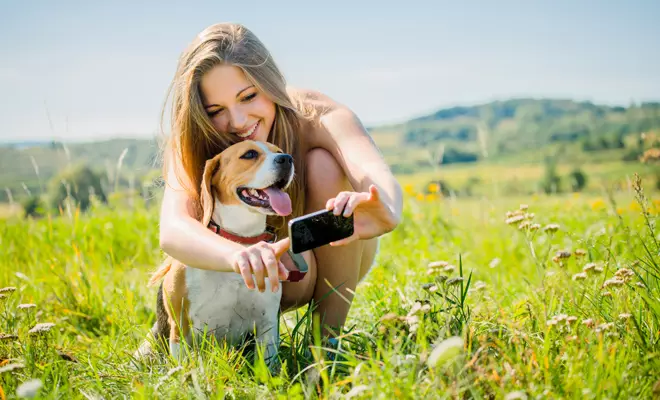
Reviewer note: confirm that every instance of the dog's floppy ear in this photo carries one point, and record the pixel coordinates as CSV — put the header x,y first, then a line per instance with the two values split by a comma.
x,y
206,197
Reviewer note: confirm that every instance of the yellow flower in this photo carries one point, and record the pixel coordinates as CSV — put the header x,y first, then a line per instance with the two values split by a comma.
x,y
431,197
598,204
634,206
434,188
420,196
409,189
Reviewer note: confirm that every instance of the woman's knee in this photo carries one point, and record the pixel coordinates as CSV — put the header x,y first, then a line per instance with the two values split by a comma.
x,y
325,176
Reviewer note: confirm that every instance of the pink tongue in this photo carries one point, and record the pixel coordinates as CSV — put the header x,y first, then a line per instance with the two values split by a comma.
x,y
279,200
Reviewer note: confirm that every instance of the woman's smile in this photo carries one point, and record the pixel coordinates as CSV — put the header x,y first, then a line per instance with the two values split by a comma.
x,y
249,133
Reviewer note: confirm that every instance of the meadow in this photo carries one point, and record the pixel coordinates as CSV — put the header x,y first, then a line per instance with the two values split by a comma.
x,y
528,297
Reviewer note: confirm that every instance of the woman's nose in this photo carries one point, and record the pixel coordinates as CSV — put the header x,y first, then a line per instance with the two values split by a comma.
x,y
238,120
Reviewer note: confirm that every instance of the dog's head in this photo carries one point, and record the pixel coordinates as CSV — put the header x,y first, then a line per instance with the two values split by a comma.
x,y
249,173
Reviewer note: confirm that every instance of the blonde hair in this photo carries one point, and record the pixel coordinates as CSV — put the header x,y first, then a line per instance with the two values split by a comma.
x,y
193,139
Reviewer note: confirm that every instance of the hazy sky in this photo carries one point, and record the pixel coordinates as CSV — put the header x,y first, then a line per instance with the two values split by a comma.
x,y
102,69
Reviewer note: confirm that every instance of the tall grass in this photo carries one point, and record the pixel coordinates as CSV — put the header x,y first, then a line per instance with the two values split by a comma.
x,y
548,297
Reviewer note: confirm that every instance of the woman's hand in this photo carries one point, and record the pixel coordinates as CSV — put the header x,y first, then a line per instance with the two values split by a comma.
x,y
372,217
262,260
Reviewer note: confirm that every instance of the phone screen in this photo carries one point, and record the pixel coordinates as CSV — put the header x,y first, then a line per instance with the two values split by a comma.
x,y
318,229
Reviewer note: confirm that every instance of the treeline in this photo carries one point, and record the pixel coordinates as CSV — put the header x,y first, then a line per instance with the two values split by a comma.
x,y
509,127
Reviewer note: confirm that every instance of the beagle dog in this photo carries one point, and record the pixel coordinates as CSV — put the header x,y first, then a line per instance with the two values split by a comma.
x,y
240,187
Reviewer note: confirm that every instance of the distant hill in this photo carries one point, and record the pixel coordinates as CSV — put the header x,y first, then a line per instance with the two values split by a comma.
x,y
18,162
505,128
494,131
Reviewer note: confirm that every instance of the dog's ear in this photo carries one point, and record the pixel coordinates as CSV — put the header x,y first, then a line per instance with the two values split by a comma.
x,y
206,197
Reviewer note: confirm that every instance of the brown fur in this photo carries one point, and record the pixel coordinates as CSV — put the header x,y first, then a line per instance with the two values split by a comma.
x,y
223,174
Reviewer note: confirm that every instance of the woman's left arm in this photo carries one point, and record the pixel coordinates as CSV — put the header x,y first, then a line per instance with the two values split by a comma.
x,y
349,142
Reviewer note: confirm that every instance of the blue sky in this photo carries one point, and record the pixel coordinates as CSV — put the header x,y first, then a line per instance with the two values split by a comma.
x,y
101,69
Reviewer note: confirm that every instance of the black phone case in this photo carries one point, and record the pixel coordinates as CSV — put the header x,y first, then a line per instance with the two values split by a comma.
x,y
318,229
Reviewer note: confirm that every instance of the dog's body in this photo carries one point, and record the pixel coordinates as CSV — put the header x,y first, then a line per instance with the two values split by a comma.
x,y
241,186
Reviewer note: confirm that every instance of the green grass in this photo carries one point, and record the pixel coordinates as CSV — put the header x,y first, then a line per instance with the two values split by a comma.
x,y
508,178
502,295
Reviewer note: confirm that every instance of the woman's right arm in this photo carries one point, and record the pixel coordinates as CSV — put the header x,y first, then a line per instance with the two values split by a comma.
x,y
184,238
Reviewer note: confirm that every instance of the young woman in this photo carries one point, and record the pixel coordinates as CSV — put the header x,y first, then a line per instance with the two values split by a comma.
x,y
228,88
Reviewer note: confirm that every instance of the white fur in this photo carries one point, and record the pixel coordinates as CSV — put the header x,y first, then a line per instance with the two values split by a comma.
x,y
239,219
220,302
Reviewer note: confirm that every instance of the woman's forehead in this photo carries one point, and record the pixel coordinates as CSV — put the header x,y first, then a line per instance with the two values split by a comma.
x,y
223,83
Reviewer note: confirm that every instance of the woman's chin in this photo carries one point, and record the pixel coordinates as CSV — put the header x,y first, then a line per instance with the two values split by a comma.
x,y
261,135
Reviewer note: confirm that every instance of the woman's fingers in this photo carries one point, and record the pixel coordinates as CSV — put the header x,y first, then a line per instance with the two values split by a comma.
x,y
244,268
272,267
373,191
330,204
257,268
281,247
262,261
340,202
284,273
353,202
346,202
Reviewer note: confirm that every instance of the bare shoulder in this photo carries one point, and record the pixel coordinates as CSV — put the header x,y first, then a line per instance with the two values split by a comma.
x,y
319,101
331,117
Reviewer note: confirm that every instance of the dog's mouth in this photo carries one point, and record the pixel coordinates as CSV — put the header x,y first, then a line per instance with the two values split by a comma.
x,y
272,198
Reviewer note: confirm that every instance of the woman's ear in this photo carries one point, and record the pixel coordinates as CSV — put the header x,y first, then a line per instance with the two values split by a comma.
x,y
206,197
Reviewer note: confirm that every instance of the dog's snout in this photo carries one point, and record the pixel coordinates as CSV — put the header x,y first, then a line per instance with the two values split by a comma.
x,y
283,159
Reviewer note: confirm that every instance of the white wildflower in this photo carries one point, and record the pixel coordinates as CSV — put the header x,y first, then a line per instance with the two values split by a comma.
x,y
30,388
445,350
580,276
41,328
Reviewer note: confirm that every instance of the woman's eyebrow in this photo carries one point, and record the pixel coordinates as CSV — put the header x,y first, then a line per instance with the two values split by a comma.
x,y
237,94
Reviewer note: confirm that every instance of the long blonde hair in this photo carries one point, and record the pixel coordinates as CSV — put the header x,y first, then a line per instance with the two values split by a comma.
x,y
193,139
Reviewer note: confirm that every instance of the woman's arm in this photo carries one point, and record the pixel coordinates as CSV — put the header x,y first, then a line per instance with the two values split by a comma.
x,y
184,238
344,136
350,143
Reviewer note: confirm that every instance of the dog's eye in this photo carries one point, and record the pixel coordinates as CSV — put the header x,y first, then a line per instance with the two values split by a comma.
x,y
250,154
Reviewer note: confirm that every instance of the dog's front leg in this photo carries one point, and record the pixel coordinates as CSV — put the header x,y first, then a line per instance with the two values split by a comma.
x,y
268,340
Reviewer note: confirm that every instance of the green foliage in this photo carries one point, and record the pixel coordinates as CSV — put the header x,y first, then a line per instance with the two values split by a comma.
x,y
459,303
514,127
578,179
551,181
17,168
454,155
33,207
79,184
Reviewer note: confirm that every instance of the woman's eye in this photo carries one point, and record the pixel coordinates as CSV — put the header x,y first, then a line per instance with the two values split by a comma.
x,y
249,97
250,154
214,113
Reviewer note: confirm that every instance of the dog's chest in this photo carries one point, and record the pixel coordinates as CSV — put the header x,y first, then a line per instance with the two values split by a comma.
x,y
222,304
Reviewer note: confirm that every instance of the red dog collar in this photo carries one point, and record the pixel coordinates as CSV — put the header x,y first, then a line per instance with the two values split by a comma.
x,y
269,237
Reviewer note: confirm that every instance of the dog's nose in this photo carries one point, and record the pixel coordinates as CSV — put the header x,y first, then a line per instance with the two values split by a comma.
x,y
283,159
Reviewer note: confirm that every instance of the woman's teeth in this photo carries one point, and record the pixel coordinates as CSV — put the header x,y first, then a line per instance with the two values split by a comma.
x,y
250,132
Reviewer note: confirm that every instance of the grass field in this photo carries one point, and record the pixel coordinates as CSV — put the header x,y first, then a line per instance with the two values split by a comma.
x,y
535,311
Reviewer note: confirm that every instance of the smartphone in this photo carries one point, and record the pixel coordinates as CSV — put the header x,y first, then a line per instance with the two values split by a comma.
x,y
318,229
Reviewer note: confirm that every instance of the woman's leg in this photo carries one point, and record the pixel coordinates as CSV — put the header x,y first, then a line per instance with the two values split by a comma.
x,y
330,268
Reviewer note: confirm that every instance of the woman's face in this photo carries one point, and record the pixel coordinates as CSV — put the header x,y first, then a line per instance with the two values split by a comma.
x,y
234,105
